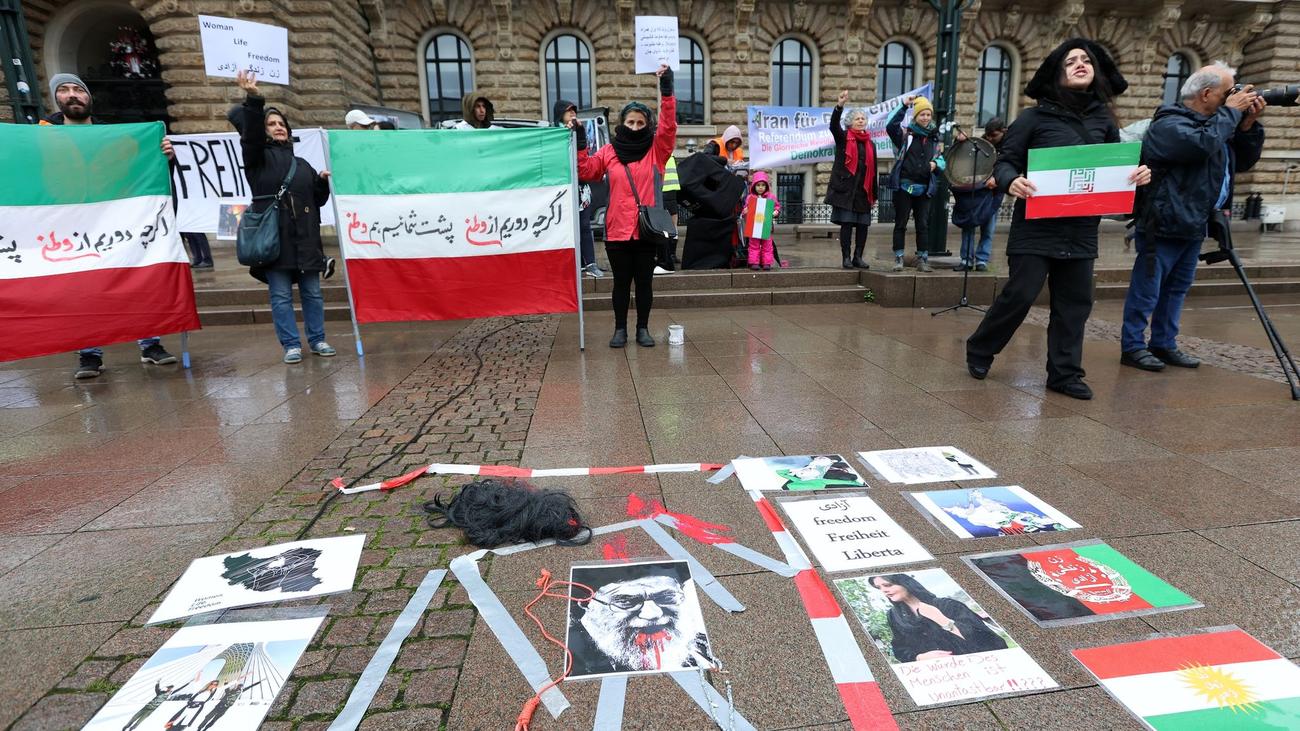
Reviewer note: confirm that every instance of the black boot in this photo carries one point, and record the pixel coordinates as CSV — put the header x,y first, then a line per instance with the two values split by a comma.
x,y
844,252
847,263
620,338
858,262
643,337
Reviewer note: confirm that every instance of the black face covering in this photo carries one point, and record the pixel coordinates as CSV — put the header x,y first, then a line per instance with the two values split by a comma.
x,y
632,145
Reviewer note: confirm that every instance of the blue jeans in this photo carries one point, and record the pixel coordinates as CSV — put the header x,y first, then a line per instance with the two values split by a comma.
x,y
313,306
99,352
1156,293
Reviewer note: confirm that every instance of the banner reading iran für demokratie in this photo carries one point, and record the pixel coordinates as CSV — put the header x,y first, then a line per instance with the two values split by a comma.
x,y
89,251
438,225
780,136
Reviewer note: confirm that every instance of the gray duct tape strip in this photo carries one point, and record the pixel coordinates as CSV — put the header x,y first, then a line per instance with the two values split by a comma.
x,y
706,581
364,691
711,701
507,631
744,553
723,474
609,708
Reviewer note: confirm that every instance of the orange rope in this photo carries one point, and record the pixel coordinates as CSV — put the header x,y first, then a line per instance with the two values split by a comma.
x,y
545,584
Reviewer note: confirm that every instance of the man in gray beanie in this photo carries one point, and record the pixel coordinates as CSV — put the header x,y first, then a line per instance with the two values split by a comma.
x,y
75,103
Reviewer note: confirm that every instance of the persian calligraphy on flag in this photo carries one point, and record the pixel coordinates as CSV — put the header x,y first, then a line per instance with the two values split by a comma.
x,y
759,214
1218,679
1082,180
89,251
438,226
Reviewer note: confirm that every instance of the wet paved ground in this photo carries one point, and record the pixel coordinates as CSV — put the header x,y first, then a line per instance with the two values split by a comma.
x,y
108,489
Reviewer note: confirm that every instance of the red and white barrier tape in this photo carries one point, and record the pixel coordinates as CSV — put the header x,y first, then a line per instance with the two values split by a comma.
x,y
853,679
495,470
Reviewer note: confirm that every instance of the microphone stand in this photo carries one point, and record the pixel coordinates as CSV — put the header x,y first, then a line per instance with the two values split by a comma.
x,y
975,152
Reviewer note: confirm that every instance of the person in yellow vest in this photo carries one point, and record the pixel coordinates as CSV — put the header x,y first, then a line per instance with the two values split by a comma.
x,y
671,184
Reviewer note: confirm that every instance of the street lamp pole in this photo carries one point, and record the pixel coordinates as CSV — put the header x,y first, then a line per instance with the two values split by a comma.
x,y
945,107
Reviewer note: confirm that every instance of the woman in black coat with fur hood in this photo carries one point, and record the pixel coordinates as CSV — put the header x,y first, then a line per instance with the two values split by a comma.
x,y
1074,87
267,143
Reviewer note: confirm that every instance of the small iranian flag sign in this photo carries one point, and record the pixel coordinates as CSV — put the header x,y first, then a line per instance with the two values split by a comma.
x,y
759,214
1082,180
1219,679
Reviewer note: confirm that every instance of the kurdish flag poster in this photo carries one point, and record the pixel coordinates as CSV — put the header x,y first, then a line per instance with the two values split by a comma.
x,y
759,213
439,225
1072,583
89,251
1082,180
1220,678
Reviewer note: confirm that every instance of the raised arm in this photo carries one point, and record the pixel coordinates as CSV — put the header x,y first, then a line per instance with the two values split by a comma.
x,y
252,138
894,127
666,132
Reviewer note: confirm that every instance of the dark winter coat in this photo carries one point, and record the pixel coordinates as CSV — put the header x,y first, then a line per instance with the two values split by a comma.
x,y
911,147
916,635
975,207
852,191
265,165
1185,151
1051,125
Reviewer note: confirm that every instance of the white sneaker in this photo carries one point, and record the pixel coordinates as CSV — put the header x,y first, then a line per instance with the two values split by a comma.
x,y
593,271
661,270
293,355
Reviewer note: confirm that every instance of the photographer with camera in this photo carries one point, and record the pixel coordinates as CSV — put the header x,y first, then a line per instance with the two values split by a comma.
x,y
1194,148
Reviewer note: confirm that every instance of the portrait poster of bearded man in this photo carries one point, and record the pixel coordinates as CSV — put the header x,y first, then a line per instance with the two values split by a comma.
x,y
640,618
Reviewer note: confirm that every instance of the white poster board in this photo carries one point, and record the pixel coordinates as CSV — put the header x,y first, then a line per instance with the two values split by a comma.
x,y
852,533
926,464
209,173
260,575
656,43
231,46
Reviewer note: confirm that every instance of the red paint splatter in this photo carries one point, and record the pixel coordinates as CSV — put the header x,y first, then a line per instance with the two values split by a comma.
x,y
615,549
654,641
700,530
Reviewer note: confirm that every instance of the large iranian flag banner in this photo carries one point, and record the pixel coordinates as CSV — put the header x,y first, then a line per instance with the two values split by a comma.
x,y
1082,180
89,251
1218,679
446,225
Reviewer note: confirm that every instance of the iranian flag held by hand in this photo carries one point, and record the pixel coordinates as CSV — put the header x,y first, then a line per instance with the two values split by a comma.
x,y
1082,180
446,225
89,251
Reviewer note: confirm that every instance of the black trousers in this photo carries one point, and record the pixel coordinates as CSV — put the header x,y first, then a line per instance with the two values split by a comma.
x,y
632,261
918,207
1070,282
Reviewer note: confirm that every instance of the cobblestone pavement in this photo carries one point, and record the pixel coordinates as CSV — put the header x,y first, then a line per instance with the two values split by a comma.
x,y
1146,465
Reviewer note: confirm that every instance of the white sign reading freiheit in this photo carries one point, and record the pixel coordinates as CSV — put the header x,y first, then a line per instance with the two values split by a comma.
x,y
231,46
656,43
851,533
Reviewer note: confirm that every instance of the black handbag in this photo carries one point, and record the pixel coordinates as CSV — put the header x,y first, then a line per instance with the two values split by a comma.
x,y
257,242
654,224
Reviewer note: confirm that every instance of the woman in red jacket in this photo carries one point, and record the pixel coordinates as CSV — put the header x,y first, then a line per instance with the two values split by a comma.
x,y
641,148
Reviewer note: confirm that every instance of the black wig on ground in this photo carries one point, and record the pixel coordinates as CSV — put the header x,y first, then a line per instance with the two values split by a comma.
x,y
503,512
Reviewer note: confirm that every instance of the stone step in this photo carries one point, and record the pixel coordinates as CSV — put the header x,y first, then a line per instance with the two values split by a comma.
x,y
738,297
1211,272
257,314
737,279
1212,288
256,295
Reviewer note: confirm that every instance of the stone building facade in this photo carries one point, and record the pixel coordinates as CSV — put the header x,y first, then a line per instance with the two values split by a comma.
x,y
347,52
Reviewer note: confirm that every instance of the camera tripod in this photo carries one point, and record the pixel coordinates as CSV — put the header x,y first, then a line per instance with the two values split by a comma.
x,y
975,152
1220,231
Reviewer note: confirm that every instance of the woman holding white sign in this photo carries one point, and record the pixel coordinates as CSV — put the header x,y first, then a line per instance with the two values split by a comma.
x,y
1075,87
633,161
267,142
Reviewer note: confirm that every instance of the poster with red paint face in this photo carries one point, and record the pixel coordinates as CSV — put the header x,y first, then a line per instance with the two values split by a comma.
x,y
941,644
636,618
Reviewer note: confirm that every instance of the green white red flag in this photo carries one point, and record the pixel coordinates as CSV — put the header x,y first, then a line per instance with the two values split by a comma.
x,y
1082,180
759,214
1214,680
89,251
441,225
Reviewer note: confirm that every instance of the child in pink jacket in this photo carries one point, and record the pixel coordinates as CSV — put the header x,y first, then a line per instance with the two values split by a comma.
x,y
761,250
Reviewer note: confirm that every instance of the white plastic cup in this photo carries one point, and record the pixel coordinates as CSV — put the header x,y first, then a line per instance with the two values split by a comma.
x,y
676,334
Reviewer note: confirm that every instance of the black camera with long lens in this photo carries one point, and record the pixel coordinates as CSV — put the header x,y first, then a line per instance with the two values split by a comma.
x,y
1282,96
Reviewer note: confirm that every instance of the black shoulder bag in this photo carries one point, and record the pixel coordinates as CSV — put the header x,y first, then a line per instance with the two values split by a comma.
x,y
654,224
257,243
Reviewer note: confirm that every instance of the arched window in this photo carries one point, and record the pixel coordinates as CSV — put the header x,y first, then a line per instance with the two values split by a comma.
x,y
689,82
566,68
995,84
1177,69
448,74
896,73
792,74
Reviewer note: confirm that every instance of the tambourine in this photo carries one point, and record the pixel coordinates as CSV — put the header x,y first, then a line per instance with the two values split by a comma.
x,y
969,163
